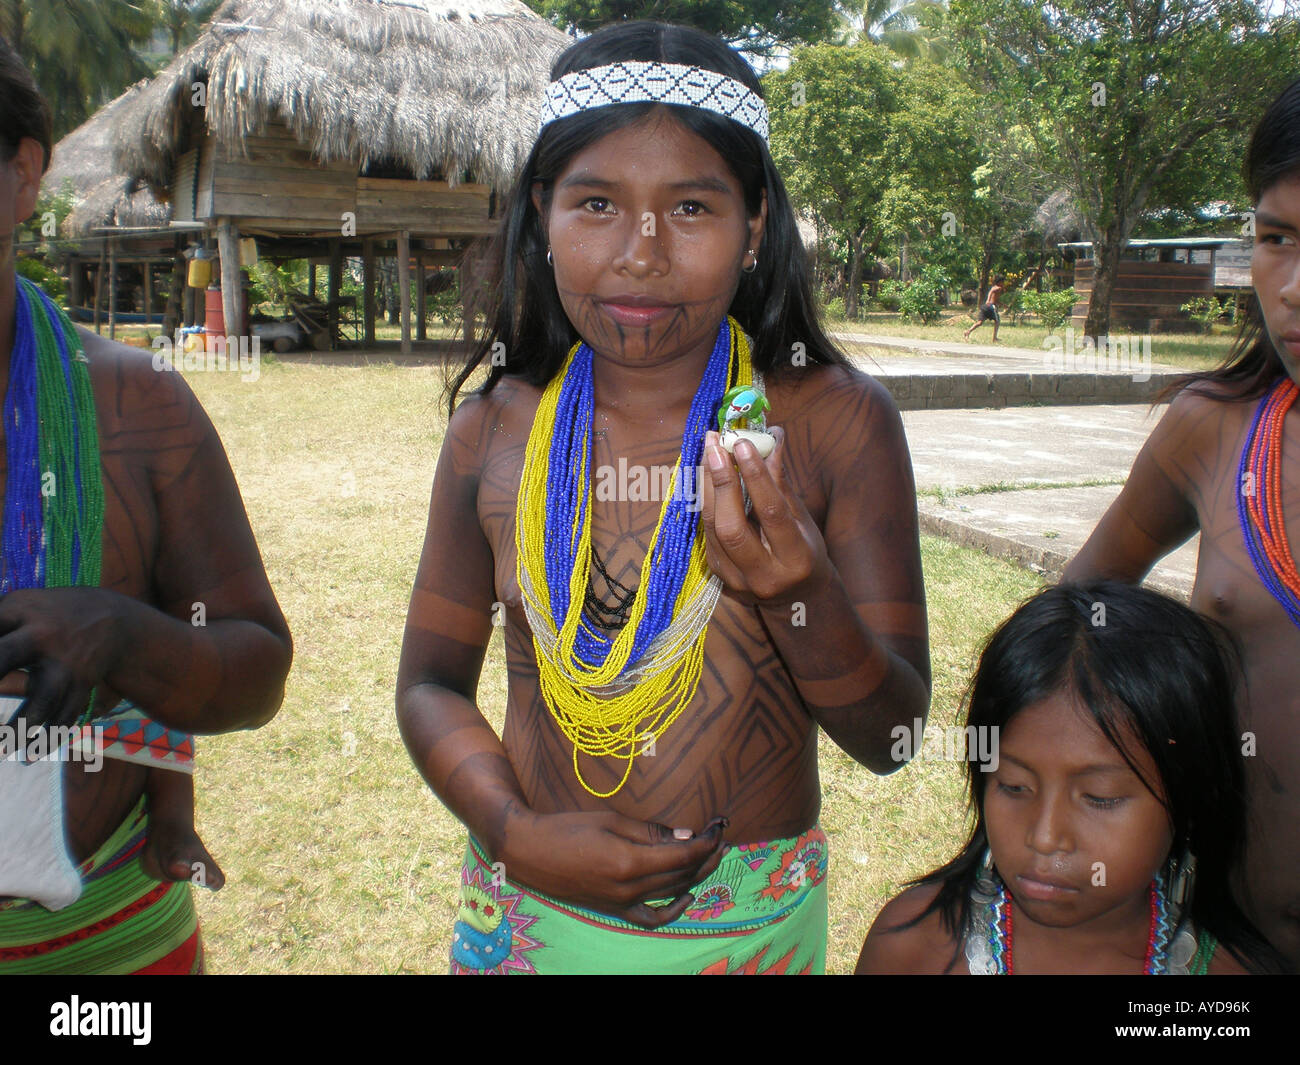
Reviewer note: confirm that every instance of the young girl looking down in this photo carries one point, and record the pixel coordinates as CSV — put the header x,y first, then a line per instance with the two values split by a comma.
x,y
652,804
1105,837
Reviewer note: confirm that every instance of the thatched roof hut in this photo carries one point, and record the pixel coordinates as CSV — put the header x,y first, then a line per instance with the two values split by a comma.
x,y
105,196
445,88
401,119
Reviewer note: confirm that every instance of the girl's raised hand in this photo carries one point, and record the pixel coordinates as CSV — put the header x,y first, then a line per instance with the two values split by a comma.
x,y
774,555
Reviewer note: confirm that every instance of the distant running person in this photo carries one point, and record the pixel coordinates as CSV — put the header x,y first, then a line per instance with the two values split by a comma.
x,y
989,310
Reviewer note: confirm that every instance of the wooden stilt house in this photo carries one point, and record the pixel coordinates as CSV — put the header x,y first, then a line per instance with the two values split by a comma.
x,y
328,129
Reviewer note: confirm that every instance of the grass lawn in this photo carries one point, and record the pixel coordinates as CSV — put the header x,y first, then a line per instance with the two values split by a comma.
x,y
339,858
1190,351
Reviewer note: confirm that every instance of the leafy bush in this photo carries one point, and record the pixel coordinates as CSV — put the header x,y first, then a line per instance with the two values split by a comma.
x,y
1051,308
1204,311
271,283
35,270
922,297
835,307
446,305
1013,305
890,296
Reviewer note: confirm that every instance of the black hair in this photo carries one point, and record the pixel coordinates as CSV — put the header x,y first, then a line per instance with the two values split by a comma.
x,y
23,110
1253,364
774,304
1148,667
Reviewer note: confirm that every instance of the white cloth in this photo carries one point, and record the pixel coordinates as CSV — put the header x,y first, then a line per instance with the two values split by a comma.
x,y
34,859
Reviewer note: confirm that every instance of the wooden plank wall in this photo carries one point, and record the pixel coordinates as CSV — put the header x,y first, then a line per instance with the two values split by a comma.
x,y
422,205
1145,290
281,186
280,179
185,186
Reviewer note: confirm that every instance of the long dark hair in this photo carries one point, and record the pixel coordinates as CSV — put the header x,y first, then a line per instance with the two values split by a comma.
x,y
1252,365
1152,666
525,319
23,110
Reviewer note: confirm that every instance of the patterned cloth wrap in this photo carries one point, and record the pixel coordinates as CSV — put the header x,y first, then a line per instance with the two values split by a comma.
x,y
130,735
762,911
124,921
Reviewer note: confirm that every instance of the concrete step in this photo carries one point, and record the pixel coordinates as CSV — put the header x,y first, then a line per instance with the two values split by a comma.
x,y
943,375
976,473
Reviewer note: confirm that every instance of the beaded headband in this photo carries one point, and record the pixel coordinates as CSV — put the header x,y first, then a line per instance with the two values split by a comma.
x,y
635,82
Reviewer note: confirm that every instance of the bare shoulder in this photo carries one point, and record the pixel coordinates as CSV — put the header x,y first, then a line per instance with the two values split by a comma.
x,y
835,415
842,393
924,948
1199,430
1203,411
483,421
134,398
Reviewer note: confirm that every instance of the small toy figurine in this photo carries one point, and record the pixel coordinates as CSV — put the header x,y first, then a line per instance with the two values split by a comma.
x,y
742,407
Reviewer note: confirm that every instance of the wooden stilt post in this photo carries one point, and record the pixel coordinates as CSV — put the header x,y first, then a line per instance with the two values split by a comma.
x,y
232,296
148,291
76,294
404,286
173,317
334,284
112,289
368,289
421,301
466,273
99,282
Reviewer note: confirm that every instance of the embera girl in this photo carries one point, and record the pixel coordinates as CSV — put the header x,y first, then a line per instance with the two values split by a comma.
x,y
1107,828
652,804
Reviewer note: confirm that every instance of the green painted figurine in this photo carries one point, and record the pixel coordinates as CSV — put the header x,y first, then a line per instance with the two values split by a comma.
x,y
741,417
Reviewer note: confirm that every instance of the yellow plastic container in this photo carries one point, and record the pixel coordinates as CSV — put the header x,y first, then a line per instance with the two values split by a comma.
x,y
200,274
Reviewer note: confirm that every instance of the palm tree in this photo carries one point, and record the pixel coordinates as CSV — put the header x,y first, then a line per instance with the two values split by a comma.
x,y
81,52
909,28
183,19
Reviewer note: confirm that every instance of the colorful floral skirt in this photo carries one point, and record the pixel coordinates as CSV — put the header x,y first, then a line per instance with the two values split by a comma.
x,y
763,910
124,921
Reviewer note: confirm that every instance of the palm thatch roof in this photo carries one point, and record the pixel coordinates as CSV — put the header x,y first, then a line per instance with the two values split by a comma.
x,y
450,87
1058,218
105,196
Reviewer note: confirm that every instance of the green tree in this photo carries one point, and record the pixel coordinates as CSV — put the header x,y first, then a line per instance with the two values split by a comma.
x,y
910,28
183,19
932,155
1010,185
1122,97
829,139
761,27
81,52
869,150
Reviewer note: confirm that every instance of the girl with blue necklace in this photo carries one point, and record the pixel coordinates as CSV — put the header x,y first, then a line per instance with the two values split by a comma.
x,y
652,805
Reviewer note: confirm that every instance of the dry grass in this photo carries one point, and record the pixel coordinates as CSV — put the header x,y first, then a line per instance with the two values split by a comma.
x,y
339,858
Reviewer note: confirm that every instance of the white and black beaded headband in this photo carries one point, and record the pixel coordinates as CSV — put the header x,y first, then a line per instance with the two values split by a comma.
x,y
635,82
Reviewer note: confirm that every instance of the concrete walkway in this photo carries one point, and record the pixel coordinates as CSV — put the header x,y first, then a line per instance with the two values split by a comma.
x,y
1078,457
943,374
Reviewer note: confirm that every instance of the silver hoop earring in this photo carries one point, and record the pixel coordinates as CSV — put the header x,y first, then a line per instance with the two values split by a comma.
x,y
549,260
752,268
